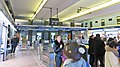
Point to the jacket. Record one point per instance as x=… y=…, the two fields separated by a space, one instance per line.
x=57 y=48
x=91 y=46
x=111 y=57
x=99 y=46
x=14 y=41
x=79 y=63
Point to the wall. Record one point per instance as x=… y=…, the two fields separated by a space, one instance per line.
x=107 y=18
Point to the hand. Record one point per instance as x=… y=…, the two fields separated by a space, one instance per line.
x=61 y=46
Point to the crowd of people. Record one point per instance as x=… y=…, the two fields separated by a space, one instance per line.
x=101 y=54
x=72 y=53
x=105 y=53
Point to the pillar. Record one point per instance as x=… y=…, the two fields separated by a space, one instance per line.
x=30 y=33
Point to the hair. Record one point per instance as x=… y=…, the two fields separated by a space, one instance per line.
x=97 y=35
x=57 y=35
x=71 y=51
x=113 y=44
x=91 y=36
x=109 y=40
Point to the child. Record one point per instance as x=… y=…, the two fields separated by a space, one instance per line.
x=73 y=53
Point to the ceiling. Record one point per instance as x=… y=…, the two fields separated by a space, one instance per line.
x=25 y=9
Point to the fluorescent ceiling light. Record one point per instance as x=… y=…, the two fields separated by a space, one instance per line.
x=92 y=9
x=40 y=7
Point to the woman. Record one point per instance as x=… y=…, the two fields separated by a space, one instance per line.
x=111 y=55
x=91 y=50
x=58 y=47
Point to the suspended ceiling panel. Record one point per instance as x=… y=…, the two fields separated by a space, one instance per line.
x=25 y=8
x=103 y=12
x=54 y=4
x=82 y=3
x=66 y=7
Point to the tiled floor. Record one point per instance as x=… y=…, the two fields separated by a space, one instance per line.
x=24 y=58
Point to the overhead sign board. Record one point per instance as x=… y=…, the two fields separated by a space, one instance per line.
x=54 y=21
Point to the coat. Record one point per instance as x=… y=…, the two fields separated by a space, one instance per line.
x=79 y=63
x=14 y=41
x=111 y=57
x=91 y=46
x=99 y=46
x=57 y=48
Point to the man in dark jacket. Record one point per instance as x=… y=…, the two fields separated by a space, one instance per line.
x=99 y=50
x=14 y=42
x=91 y=50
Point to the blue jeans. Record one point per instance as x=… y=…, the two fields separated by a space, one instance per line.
x=58 y=60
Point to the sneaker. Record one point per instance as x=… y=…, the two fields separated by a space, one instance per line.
x=13 y=53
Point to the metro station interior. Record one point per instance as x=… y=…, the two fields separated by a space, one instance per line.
x=36 y=23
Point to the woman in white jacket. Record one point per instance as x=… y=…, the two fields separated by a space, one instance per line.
x=111 y=55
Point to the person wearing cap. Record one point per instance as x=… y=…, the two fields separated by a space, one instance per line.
x=58 y=48
x=73 y=53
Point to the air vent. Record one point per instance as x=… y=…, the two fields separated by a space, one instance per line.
x=110 y=19
x=96 y=21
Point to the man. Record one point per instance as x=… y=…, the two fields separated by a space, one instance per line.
x=14 y=42
x=99 y=50
x=91 y=50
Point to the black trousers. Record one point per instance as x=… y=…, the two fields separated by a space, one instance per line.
x=101 y=59
x=13 y=48
x=92 y=60
x=58 y=60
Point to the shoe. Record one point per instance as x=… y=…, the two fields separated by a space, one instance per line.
x=13 y=53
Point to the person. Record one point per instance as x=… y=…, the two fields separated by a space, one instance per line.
x=14 y=42
x=111 y=55
x=119 y=48
x=58 y=47
x=73 y=53
x=99 y=50
x=91 y=50
x=115 y=38
x=109 y=40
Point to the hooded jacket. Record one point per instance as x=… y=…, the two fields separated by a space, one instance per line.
x=111 y=57
x=79 y=63
x=74 y=53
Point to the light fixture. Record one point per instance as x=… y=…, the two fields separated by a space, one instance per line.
x=91 y=9
x=80 y=9
x=40 y=7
